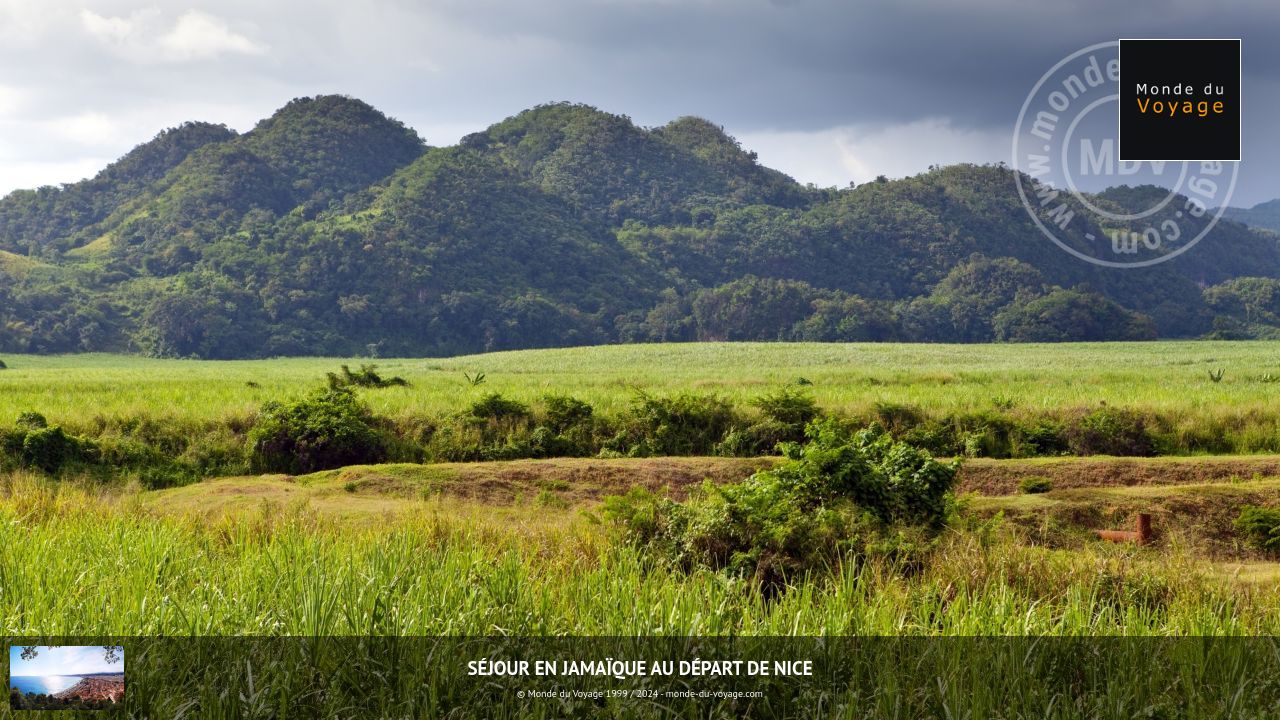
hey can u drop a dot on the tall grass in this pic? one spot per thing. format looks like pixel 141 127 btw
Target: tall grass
pixel 75 562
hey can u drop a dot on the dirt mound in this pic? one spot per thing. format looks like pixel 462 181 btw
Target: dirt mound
pixel 1001 477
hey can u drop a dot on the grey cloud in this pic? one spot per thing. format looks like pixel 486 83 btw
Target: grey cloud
pixel 753 65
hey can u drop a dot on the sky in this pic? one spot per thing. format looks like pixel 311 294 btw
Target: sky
pixel 829 91
pixel 64 660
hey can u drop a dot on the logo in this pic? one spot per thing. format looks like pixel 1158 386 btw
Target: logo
pixel 1101 209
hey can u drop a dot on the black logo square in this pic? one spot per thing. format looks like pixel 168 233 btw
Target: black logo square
pixel 1179 100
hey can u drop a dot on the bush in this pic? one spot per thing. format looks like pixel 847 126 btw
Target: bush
pixel 34 443
pixel 761 438
pixel 49 448
pixel 495 407
pixel 789 407
pixel 1043 436
pixel 366 377
pixel 1109 431
pixel 684 424
pixel 1035 484
pixel 786 413
pixel 1260 527
pixel 565 413
pixel 32 420
pixel 898 417
pixel 328 429
pixel 838 493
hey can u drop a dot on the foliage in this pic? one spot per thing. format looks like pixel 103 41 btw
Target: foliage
pixel 167 422
pixel 33 443
pixel 682 424
pixel 329 229
pixel 495 407
pixel 1261 527
pixel 784 415
pixel 366 377
pixel 31 420
pixel 324 430
pixel 1110 431
pixel 1069 316
pixel 565 413
pixel 40 701
pixel 840 492
pixel 48 448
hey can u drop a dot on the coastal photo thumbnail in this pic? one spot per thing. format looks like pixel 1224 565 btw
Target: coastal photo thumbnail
pixel 65 677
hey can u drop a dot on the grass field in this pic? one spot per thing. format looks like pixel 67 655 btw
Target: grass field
pixel 375 561
pixel 460 579
pixel 1171 377
pixel 520 548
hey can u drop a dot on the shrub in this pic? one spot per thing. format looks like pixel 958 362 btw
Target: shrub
pixel 543 442
pixel 760 438
pixel 11 446
pixel 32 420
pixel 684 424
pixel 984 434
pixel 366 377
pixel 837 493
pixel 1109 431
pixel 898 417
pixel 785 415
pixel 788 406
pixel 328 429
pixel 1260 527
pixel 1043 436
pixel 495 407
pixel 565 413
pixel 49 448
pixel 1035 484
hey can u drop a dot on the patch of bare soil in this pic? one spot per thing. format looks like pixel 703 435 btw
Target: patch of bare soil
pixel 1001 477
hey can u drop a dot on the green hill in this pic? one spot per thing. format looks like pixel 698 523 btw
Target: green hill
pixel 1263 215
pixel 32 220
pixel 330 228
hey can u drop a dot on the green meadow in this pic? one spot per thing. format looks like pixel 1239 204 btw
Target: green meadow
pixel 80 562
pixel 1169 377
pixel 521 547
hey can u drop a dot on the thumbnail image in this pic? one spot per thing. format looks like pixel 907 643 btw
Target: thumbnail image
pixel 71 677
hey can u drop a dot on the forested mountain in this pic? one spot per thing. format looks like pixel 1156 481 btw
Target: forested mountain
pixel 1263 215
pixel 331 229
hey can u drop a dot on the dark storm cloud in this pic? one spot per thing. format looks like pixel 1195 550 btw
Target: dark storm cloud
pixel 89 79
pixel 809 65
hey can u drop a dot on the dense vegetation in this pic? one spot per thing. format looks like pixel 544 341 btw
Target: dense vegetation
pixel 170 422
pixel 331 229
pixel 839 494
pixel 1263 215
pixel 434 569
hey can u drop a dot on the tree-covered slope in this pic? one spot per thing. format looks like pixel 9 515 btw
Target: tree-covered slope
pixel 331 229
pixel 31 220
pixel 1263 215
pixel 609 168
